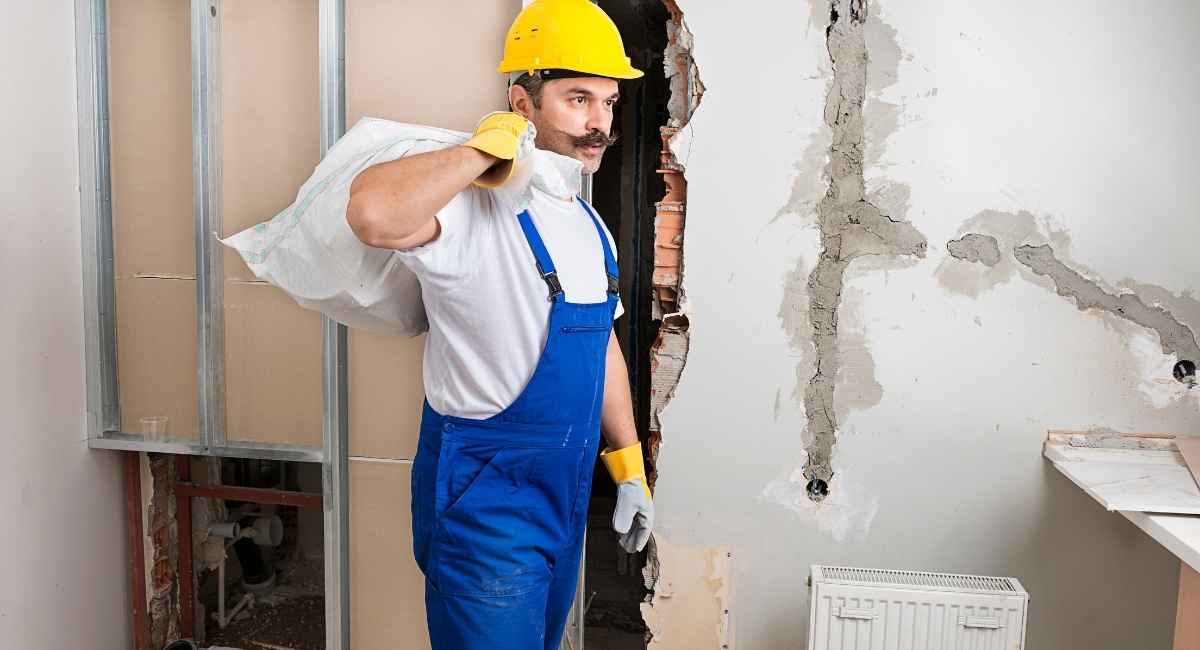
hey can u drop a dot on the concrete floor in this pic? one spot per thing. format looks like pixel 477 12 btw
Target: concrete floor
pixel 614 619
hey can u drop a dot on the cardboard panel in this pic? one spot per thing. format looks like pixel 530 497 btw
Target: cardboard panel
pixel 386 394
pixel 150 127
pixel 387 590
pixel 426 61
pixel 156 354
pixel 272 367
pixel 270 111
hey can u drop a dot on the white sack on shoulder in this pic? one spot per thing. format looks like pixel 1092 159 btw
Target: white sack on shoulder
pixel 309 251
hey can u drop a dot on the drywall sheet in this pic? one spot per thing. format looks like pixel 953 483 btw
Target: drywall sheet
pixel 426 61
pixel 387 605
pixel 272 367
pixel 270 114
pixel 1130 479
pixel 1187 616
pixel 150 122
pixel 418 79
pixel 386 394
pixel 156 353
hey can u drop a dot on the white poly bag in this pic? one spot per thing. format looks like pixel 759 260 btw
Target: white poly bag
pixel 309 251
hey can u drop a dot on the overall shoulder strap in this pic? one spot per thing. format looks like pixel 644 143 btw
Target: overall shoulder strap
pixel 545 265
pixel 610 261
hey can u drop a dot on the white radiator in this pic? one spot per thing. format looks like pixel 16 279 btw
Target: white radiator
pixel 883 609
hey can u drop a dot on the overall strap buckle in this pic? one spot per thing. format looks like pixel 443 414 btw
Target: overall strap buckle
pixel 552 282
pixel 614 285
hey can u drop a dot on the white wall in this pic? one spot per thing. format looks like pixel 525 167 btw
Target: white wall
pixel 62 552
pixel 1084 116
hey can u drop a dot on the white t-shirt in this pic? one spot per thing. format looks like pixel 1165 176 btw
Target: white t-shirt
pixel 488 308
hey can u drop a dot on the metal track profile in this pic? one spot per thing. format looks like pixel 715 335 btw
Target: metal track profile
pixel 573 634
pixel 335 467
pixel 206 169
pixel 95 207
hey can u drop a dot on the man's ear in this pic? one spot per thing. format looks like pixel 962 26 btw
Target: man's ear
pixel 520 101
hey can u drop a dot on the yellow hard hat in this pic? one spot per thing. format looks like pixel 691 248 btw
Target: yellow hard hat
pixel 566 35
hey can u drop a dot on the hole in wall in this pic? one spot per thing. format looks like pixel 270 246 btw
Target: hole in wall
pixel 817 489
pixel 274 563
pixel 624 191
pixel 1185 372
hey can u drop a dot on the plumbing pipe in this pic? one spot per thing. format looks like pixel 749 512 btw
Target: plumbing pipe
pixel 227 529
pixel 223 619
pixel 137 555
pixel 267 531
pixel 253 495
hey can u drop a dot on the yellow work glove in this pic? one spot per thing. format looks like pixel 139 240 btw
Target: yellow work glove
pixel 633 518
pixel 499 135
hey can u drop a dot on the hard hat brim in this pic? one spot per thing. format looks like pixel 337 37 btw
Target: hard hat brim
pixel 629 72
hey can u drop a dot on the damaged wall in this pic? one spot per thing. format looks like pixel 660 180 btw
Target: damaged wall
pixel 970 205
pixel 62 552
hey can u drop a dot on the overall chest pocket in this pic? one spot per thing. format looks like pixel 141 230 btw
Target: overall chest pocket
pixel 503 514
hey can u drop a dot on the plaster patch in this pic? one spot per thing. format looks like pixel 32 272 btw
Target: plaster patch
pixel 1175 338
pixel 846 514
pixel 974 247
pixel 668 356
pixel 1009 230
pixel 881 118
pixel 809 185
pixel 690 607
pixel 852 227
pixel 856 387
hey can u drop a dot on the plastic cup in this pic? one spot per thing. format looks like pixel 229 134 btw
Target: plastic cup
pixel 154 427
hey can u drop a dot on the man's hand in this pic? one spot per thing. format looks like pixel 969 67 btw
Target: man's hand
pixel 499 135
pixel 633 518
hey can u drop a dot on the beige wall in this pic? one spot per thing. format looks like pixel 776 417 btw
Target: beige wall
pixel 440 72
pixel 150 131
pixel 62 556
pixel 270 143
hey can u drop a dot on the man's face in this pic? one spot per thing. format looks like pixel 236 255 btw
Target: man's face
pixel 575 117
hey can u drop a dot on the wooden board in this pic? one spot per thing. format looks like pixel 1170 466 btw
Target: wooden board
pixel 1187 616
pixel 1190 448
pixel 1130 479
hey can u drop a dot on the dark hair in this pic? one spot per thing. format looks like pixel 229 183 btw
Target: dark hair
pixel 533 84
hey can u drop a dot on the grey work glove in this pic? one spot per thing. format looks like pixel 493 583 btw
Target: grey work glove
pixel 634 517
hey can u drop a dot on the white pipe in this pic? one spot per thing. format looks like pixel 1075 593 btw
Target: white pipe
pixel 238 607
pixel 222 619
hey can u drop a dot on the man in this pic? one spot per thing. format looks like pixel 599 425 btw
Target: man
pixel 522 371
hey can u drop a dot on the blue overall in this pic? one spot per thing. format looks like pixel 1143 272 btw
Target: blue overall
pixel 500 505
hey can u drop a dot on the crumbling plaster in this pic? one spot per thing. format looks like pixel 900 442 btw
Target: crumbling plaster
pixel 1059 125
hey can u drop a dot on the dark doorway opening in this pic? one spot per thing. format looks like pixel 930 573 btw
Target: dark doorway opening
pixel 625 191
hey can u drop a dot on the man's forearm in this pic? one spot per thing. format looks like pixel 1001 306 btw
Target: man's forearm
pixel 393 204
pixel 616 417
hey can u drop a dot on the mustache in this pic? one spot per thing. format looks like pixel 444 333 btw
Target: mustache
pixel 597 139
